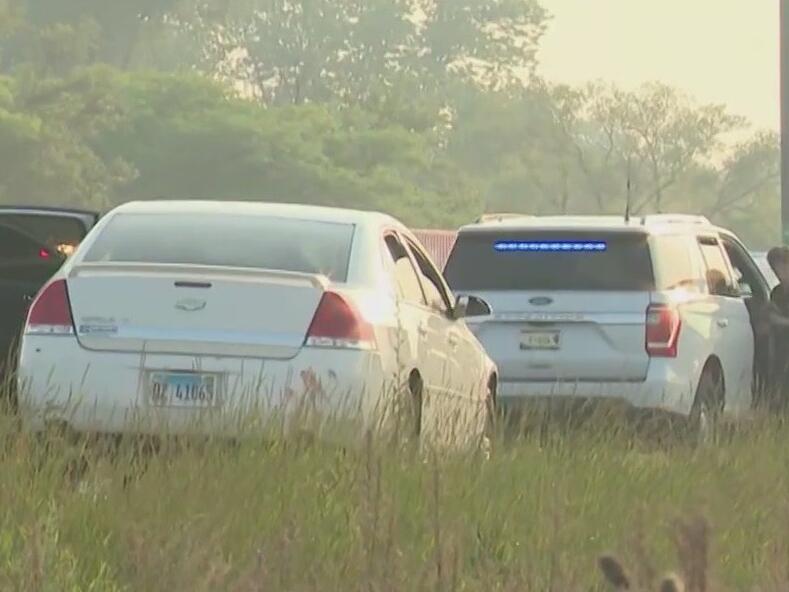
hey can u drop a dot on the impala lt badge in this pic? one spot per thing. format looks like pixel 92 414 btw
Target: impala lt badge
pixel 190 304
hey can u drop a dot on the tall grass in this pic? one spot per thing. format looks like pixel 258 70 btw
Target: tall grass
pixel 77 514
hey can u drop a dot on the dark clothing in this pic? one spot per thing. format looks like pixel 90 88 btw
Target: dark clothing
pixel 779 298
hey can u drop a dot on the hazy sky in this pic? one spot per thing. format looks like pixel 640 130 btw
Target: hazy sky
pixel 722 51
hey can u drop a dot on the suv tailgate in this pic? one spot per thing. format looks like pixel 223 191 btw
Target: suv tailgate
pixel 567 305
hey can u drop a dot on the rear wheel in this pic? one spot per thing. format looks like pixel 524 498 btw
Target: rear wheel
pixel 705 416
pixel 413 408
pixel 491 417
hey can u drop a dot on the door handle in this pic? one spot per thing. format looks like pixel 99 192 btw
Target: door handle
pixel 723 323
pixel 453 340
pixel 422 328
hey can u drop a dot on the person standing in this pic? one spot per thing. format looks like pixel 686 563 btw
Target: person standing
pixel 778 259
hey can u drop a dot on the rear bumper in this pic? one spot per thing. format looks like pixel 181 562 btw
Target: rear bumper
pixel 107 392
pixel 664 390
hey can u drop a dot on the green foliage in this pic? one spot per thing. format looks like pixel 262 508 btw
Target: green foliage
pixel 554 149
pixel 432 111
pixel 46 131
pixel 186 137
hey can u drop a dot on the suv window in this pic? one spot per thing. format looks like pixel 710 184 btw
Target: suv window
pixel 431 281
pixel 550 260
pixel 674 265
pixel 405 276
pixel 719 279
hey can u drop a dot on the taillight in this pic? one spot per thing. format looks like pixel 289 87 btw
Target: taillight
pixel 662 334
pixel 337 324
pixel 50 313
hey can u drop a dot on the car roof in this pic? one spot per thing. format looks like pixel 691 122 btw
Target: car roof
pixel 253 208
pixel 652 224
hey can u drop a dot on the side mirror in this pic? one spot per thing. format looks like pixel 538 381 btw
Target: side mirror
pixel 470 306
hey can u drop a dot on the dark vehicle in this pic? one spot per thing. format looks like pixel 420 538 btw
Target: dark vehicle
pixel 34 243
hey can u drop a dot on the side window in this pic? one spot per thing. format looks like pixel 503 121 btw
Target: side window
pixel 673 262
pixel 719 280
pixel 435 292
pixel 405 276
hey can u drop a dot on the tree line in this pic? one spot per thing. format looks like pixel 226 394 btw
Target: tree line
pixel 432 111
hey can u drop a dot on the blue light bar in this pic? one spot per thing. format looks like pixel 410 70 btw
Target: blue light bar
pixel 550 246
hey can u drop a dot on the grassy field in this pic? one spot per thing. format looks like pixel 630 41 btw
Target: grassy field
pixel 288 515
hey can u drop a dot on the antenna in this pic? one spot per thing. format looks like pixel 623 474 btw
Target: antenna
pixel 627 203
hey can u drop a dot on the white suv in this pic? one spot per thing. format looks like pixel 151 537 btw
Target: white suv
pixel 658 312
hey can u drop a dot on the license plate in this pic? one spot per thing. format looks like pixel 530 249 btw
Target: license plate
pixel 547 340
pixel 170 389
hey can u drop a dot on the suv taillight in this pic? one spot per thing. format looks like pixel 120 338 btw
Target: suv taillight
pixel 50 313
pixel 662 333
pixel 337 324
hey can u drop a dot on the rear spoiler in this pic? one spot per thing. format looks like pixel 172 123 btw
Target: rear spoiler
pixel 201 273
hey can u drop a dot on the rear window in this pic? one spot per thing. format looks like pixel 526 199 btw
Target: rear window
pixel 545 260
pixel 58 233
pixel 260 242
pixel 17 246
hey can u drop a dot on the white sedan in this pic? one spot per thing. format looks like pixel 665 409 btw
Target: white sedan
pixel 183 316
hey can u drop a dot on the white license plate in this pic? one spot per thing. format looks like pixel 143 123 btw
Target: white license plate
pixel 547 340
pixel 174 389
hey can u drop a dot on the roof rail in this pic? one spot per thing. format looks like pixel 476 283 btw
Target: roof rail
pixel 675 219
pixel 498 217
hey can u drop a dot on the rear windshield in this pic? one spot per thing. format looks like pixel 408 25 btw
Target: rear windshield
pixel 58 233
pixel 260 242
pixel 550 260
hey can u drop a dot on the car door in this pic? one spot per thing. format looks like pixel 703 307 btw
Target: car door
pixel 409 346
pixel 455 358
pixel 756 295
pixel 33 244
pixel 732 335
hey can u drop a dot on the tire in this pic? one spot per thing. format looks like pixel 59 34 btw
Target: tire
pixel 491 419
pixel 413 408
pixel 705 416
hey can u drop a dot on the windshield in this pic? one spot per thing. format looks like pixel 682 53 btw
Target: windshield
pixel 260 242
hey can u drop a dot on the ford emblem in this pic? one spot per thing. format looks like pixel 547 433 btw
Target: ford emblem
pixel 540 301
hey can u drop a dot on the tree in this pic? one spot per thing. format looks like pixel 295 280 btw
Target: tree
pixel 491 42
pixel 294 51
pixel 123 27
pixel 189 138
pixel 46 133
pixel 661 133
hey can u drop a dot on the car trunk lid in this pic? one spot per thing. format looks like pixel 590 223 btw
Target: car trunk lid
pixel 192 309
